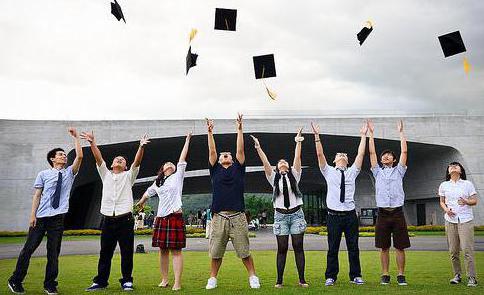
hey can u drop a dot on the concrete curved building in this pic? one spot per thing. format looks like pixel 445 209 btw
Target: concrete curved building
pixel 434 141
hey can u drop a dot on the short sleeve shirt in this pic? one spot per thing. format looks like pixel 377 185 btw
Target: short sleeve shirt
pixel 228 187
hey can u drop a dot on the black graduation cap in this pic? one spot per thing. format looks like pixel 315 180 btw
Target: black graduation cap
pixel 363 34
pixel 225 19
pixel 264 66
pixel 452 43
pixel 191 59
pixel 116 11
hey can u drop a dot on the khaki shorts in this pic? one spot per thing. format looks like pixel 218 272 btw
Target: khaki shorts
pixel 224 228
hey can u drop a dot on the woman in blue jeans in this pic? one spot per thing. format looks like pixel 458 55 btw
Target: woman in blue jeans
pixel 288 213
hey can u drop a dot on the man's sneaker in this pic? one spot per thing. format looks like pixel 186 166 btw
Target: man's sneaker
pixel 358 281
pixel 51 291
pixel 16 288
pixel 127 286
pixel 385 280
pixel 401 280
pixel 456 280
pixel 95 287
pixel 254 282
pixel 211 283
pixel 472 282
pixel 329 282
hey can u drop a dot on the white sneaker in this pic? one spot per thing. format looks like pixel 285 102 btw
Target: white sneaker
pixel 211 283
pixel 254 282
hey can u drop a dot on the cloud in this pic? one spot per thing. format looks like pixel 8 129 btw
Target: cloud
pixel 75 54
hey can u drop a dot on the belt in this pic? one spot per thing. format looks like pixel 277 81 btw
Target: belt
pixel 228 217
pixel 390 210
pixel 119 216
pixel 340 213
pixel 288 211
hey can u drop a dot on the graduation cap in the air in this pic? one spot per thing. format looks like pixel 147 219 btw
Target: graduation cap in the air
pixel 453 44
pixel 191 59
pixel 363 34
pixel 264 67
pixel 225 19
pixel 116 11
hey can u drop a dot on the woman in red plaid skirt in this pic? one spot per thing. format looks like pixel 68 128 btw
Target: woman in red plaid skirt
pixel 169 226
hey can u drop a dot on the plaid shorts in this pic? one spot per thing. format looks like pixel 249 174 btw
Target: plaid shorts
pixel 169 232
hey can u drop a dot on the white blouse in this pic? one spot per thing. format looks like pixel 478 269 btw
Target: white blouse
pixel 170 193
pixel 452 191
pixel 293 200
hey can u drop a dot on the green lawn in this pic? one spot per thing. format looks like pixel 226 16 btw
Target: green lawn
pixel 427 273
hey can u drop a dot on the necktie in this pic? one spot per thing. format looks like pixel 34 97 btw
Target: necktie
pixel 342 187
pixel 56 196
pixel 285 191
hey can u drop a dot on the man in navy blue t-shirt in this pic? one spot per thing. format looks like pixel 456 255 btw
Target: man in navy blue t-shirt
pixel 228 220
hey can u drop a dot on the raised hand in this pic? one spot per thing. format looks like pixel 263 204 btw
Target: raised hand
pixel 256 142
pixel 189 134
pixel 239 121
pixel 144 140
pixel 400 126
pixel 370 125
pixel 89 136
pixel 299 137
pixel 209 124
pixel 73 132
pixel 364 129
pixel 315 128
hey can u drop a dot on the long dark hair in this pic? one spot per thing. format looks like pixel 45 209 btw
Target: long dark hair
pixel 160 178
pixel 292 182
pixel 462 171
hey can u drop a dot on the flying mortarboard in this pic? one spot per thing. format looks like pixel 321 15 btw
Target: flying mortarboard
pixel 116 11
pixel 264 67
pixel 191 59
pixel 225 19
pixel 453 44
pixel 363 34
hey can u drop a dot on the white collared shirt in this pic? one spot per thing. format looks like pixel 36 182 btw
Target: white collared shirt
pixel 389 186
pixel 452 191
pixel 117 195
pixel 293 200
pixel 170 193
pixel 333 180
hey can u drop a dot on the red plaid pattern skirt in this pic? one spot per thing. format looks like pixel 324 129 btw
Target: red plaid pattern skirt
pixel 169 232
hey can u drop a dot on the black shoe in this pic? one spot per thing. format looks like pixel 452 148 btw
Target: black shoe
pixel 96 287
pixel 385 280
pixel 51 291
pixel 456 280
pixel 401 280
pixel 16 288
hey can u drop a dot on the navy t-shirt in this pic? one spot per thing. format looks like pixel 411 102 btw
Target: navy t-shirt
pixel 228 187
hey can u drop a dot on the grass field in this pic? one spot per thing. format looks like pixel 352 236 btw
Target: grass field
pixel 427 273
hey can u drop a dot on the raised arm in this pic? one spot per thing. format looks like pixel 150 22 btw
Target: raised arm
pixel 371 147
pixel 212 150
pixel 184 152
pixel 319 147
pixel 95 150
pixel 403 145
pixel 297 152
pixel 142 201
pixel 35 206
pixel 79 155
pixel 141 150
pixel 240 155
pixel 362 146
pixel 262 156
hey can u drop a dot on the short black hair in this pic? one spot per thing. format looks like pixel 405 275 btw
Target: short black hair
pixel 462 171
pixel 51 154
pixel 388 152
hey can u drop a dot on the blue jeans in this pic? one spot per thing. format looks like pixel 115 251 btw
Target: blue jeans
pixel 289 224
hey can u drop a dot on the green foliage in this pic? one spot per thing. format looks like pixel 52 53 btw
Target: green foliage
pixel 256 204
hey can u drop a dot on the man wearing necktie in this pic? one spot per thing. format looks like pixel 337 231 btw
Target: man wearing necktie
pixel 49 206
pixel 342 218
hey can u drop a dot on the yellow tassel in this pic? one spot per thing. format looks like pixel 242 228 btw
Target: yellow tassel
pixel 192 34
pixel 467 66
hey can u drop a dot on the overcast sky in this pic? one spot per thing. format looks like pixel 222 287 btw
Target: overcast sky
pixel 73 60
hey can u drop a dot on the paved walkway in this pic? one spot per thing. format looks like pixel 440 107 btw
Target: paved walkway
pixel 264 240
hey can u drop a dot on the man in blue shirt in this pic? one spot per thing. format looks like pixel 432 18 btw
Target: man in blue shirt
pixel 49 206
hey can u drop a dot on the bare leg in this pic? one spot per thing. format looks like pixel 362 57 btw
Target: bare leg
pixel 400 261
pixel 164 265
pixel 177 267
pixel 249 265
pixel 215 266
pixel 385 260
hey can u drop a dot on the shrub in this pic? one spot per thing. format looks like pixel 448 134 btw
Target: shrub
pixel 315 229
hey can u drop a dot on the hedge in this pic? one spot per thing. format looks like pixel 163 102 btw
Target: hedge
pixel 362 234
pixel 370 229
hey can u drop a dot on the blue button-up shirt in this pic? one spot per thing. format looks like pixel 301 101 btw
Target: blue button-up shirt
pixel 389 186
pixel 47 180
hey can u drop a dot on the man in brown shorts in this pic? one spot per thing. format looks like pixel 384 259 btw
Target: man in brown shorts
pixel 228 207
pixel 390 198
